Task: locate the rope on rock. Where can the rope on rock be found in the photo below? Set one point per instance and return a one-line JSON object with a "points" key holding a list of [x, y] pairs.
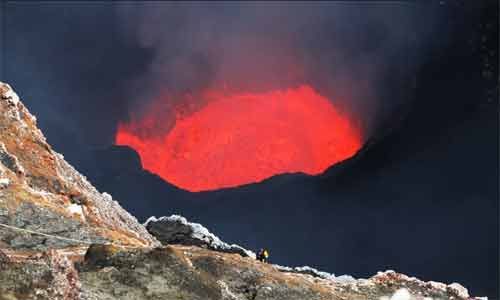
{"points": [[65, 238]]}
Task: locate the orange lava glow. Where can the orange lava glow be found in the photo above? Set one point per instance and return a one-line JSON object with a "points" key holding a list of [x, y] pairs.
{"points": [[242, 138]]}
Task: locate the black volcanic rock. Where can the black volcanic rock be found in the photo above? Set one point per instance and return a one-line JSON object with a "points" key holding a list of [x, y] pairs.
{"points": [[177, 230], [119, 159]]}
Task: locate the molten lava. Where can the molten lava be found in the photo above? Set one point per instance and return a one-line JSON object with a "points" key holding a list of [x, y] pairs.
{"points": [[243, 138]]}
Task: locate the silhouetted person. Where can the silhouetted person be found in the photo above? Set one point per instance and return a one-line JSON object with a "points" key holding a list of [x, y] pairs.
{"points": [[263, 255]]}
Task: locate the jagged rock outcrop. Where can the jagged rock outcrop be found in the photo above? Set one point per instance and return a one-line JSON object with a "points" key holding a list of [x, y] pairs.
{"points": [[177, 230], [41, 192], [60, 239]]}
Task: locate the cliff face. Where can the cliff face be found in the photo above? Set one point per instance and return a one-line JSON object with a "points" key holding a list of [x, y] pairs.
{"points": [[62, 239], [40, 191]]}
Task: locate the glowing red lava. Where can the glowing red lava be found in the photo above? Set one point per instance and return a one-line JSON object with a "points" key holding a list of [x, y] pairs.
{"points": [[243, 138]]}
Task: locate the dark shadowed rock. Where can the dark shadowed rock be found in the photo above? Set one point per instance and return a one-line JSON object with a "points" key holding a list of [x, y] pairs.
{"points": [[112, 161], [177, 230]]}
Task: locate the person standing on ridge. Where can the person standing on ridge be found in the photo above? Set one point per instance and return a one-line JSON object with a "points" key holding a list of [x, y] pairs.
{"points": [[263, 255]]}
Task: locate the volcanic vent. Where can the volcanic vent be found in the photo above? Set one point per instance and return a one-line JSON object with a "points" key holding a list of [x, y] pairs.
{"points": [[241, 138]]}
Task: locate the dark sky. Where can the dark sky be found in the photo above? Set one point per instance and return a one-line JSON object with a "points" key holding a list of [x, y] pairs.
{"points": [[421, 198]]}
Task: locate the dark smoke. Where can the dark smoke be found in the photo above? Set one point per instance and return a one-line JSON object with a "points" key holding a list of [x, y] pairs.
{"points": [[346, 50], [111, 59]]}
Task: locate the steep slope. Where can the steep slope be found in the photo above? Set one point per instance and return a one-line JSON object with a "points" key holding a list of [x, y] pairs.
{"points": [[40, 191]]}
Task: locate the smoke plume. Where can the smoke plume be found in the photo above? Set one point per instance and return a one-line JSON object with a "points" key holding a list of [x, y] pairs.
{"points": [[354, 53]]}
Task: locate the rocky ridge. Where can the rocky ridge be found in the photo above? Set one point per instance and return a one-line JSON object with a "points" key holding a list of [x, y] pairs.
{"points": [[40, 191], [190, 272], [177, 230], [62, 239]]}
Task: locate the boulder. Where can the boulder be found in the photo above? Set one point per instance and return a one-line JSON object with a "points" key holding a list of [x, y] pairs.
{"points": [[177, 230]]}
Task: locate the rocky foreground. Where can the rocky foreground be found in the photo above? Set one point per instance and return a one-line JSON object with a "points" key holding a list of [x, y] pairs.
{"points": [[62, 239]]}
